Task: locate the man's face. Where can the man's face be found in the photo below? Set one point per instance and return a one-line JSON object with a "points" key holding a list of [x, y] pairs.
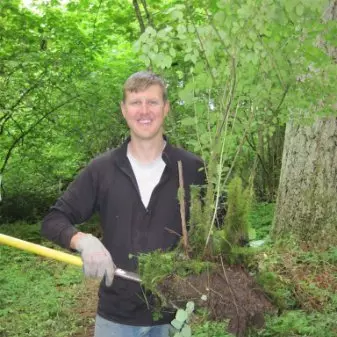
{"points": [[145, 111]]}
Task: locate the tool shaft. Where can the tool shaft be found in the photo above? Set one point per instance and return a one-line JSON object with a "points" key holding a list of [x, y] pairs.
{"points": [[57, 255]]}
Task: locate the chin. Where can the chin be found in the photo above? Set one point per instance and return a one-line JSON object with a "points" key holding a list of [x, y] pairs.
{"points": [[145, 135]]}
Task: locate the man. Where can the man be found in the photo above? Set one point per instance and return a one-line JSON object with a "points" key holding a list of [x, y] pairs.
{"points": [[134, 190]]}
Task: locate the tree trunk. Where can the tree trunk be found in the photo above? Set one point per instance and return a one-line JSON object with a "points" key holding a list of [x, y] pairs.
{"points": [[307, 196]]}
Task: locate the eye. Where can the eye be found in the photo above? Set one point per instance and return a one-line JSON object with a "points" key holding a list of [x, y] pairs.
{"points": [[135, 103], [153, 103]]}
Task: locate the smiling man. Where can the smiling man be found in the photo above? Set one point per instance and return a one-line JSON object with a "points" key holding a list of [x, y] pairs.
{"points": [[134, 190]]}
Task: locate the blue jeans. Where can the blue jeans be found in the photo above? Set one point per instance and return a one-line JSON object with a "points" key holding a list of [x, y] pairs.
{"points": [[105, 328]]}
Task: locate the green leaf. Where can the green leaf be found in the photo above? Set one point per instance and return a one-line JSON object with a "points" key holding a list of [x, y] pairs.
{"points": [[189, 307], [187, 95], [172, 52], [221, 3], [181, 315], [177, 324], [145, 48], [190, 28], [181, 29], [188, 121], [219, 17], [177, 15], [186, 331], [252, 234], [187, 57], [145, 59], [155, 48], [136, 46], [150, 31], [180, 74], [163, 34], [167, 61], [299, 9], [194, 58]]}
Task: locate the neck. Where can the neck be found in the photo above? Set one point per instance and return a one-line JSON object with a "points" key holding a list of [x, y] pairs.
{"points": [[146, 151]]}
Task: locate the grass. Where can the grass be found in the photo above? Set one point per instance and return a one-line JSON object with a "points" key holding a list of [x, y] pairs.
{"points": [[300, 280], [37, 295], [261, 218]]}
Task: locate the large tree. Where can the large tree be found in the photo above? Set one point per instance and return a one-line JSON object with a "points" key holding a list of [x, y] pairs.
{"points": [[307, 198]]}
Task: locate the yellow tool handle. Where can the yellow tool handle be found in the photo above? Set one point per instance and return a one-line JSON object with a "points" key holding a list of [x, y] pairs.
{"points": [[40, 250], [57, 255]]}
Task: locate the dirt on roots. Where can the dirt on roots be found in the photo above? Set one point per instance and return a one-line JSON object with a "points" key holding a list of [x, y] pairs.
{"points": [[229, 293]]}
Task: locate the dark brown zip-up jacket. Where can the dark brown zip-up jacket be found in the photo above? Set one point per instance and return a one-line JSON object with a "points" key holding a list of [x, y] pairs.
{"points": [[108, 186]]}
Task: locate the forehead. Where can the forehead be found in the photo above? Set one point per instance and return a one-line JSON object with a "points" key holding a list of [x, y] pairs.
{"points": [[153, 91]]}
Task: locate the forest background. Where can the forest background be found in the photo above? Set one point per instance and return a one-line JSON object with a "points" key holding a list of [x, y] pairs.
{"points": [[252, 89]]}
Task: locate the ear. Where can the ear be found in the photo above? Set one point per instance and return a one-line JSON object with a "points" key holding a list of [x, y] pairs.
{"points": [[123, 108], [166, 108]]}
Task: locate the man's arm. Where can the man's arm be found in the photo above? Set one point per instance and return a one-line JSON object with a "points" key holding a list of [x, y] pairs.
{"points": [[75, 206]]}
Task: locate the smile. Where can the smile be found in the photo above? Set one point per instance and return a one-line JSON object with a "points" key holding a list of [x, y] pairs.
{"points": [[145, 121]]}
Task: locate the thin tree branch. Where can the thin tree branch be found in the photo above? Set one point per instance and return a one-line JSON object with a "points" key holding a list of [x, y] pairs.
{"points": [[233, 82], [286, 90], [10, 111], [4, 119], [204, 52], [182, 207], [32, 127], [147, 13], [139, 16], [253, 147], [230, 100], [217, 32]]}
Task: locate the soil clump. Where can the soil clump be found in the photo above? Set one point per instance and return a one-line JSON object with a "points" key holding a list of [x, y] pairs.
{"points": [[228, 293]]}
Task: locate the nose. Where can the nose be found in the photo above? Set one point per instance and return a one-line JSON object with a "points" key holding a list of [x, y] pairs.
{"points": [[144, 107]]}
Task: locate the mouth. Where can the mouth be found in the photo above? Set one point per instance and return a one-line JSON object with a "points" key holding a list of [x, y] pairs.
{"points": [[144, 121]]}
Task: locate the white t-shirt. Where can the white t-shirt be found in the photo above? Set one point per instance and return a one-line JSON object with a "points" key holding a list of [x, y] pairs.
{"points": [[147, 175]]}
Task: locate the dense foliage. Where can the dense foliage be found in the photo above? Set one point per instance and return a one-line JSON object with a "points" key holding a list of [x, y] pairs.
{"points": [[61, 75]]}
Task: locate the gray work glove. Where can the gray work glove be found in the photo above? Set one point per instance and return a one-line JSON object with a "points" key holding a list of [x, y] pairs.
{"points": [[97, 261]]}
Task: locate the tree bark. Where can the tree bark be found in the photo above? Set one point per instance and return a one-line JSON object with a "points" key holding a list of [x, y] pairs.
{"points": [[307, 195], [139, 16], [147, 13]]}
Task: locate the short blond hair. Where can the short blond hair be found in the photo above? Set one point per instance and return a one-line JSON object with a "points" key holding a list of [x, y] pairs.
{"points": [[142, 80]]}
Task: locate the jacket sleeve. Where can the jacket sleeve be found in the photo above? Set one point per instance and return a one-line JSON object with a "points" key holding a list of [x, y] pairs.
{"points": [[75, 206]]}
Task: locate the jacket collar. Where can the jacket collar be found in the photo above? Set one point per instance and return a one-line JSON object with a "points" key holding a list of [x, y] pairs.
{"points": [[121, 153]]}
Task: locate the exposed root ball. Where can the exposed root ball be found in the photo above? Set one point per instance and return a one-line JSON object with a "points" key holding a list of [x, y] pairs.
{"points": [[228, 293]]}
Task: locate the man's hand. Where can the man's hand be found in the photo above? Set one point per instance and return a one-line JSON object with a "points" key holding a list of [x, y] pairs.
{"points": [[97, 261]]}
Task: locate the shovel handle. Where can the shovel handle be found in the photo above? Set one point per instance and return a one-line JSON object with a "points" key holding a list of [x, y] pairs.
{"points": [[58, 255], [40, 250]]}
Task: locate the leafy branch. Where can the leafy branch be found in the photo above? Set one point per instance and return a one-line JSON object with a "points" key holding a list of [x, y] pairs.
{"points": [[30, 129]]}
